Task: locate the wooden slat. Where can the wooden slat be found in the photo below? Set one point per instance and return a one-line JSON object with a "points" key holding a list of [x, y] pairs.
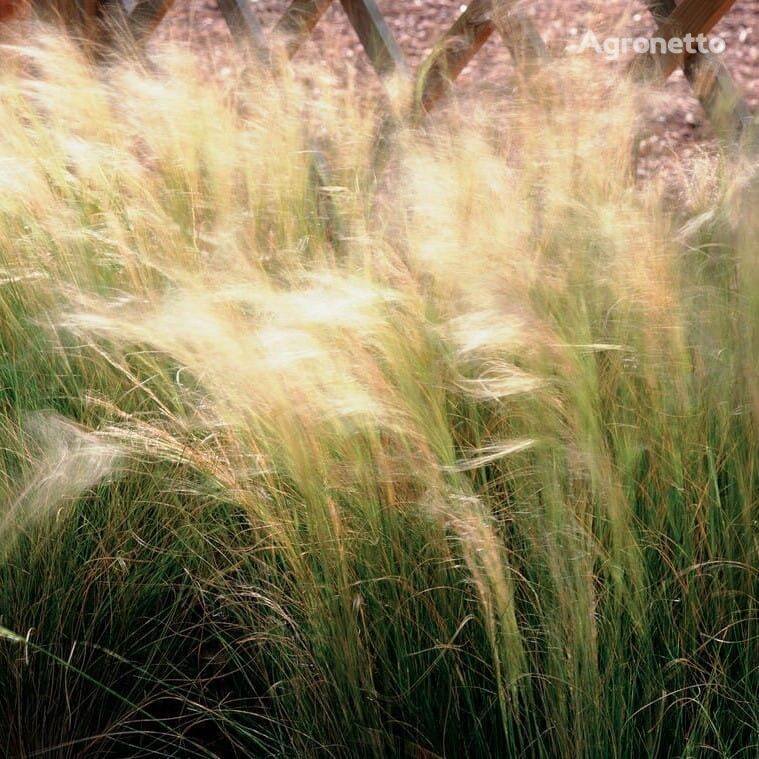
{"points": [[716, 90], [521, 38], [298, 21], [711, 82], [244, 26], [465, 38], [375, 36], [146, 16], [89, 10], [455, 49], [692, 17]]}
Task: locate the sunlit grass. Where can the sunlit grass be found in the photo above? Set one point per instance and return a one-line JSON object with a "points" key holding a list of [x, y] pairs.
{"points": [[453, 456]]}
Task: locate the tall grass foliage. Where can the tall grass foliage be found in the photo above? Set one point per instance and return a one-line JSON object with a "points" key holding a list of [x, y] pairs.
{"points": [[453, 455]]}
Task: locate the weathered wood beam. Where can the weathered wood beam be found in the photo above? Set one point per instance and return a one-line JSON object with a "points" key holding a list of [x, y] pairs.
{"points": [[519, 35], [711, 82], [468, 34], [145, 17], [298, 21], [244, 26], [692, 17], [375, 35], [454, 50]]}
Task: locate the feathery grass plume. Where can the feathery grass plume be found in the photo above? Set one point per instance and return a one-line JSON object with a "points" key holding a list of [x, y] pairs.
{"points": [[67, 462]]}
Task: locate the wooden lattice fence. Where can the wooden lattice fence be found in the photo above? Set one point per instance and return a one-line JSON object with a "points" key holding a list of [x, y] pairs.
{"points": [[710, 79], [105, 21]]}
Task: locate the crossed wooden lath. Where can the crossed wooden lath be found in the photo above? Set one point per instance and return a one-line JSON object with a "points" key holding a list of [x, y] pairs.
{"points": [[708, 76]]}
